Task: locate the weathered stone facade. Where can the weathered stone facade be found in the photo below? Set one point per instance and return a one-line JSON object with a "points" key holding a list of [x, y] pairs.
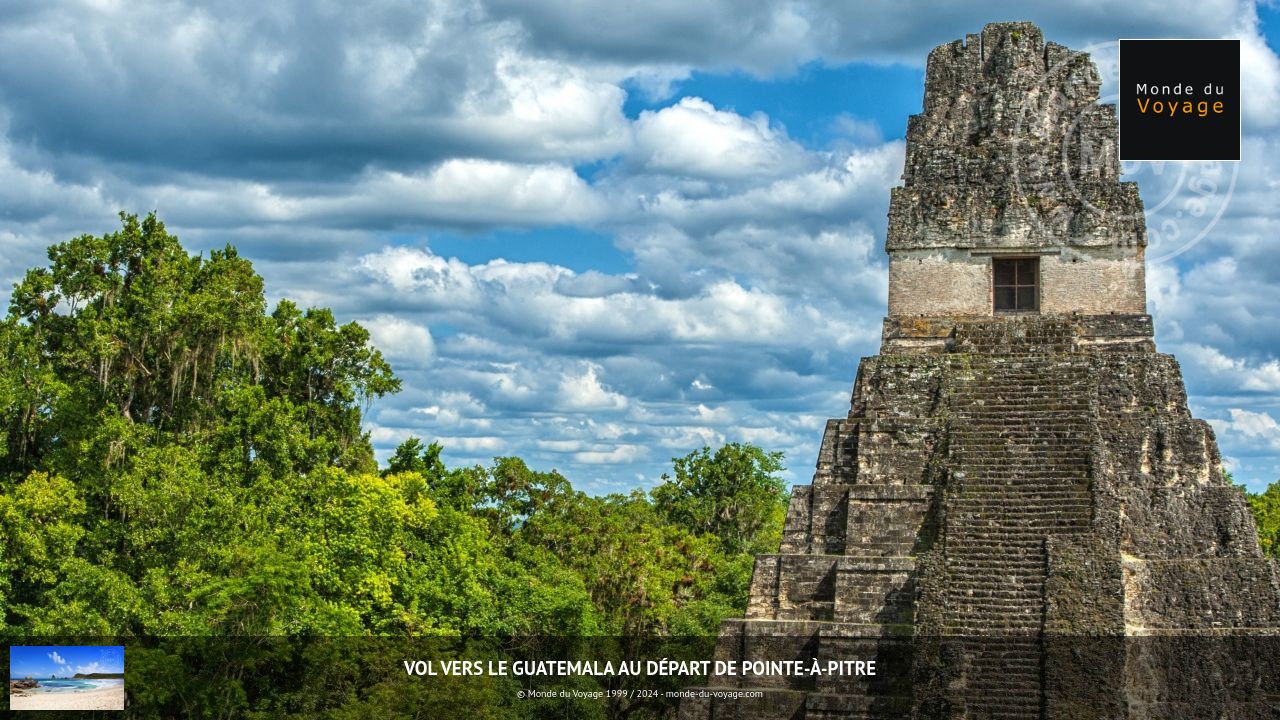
{"points": [[1019, 517], [1013, 156]]}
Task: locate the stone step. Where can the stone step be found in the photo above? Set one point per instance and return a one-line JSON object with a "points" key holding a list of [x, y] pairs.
{"points": [[1020, 538], [1017, 484], [993, 417], [996, 577], [1002, 684], [1022, 661], [1036, 353], [1028, 398], [1004, 495], [1016, 470], [1020, 490], [1072, 477], [1015, 392], [979, 522], [1047, 349], [1024, 466], [976, 515], [1015, 577], [1015, 503], [1007, 693], [992, 600], [1007, 387], [998, 420], [1008, 437], [990, 525], [971, 538], [1072, 431], [983, 700], [1040, 459], [989, 566], [1014, 381], [1009, 498], [1020, 481], [1064, 488], [1015, 438], [971, 416], [1011, 440], [966, 621], [1008, 577], [1004, 587], [1012, 388], [1000, 580], [1046, 407], [993, 470], [1014, 446], [1042, 452], [1028, 402], [1003, 397], [1020, 494], [1069, 369], [1016, 669], [995, 625], [1028, 531], [994, 709], [960, 539], [1037, 350], [1030, 341], [1012, 384], [877, 548], [1024, 494], [867, 706], [1016, 495], [979, 518]]}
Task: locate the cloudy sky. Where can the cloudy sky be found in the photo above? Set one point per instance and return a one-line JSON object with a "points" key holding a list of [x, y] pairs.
{"points": [[595, 234], [65, 660]]}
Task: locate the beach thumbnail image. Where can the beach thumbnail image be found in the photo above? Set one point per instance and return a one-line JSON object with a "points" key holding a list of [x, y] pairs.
{"points": [[66, 677]]}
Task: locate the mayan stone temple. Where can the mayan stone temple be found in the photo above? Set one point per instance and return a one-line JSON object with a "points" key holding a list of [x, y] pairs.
{"points": [[1019, 518]]}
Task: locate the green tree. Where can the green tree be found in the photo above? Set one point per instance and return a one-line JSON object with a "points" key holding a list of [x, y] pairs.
{"points": [[326, 370], [733, 494], [1266, 513], [412, 456], [144, 328]]}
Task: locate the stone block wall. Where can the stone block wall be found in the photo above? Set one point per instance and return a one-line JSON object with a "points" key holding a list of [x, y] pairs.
{"points": [[958, 282]]}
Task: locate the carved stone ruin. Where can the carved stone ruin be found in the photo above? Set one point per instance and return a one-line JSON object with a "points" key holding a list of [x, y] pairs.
{"points": [[1019, 518]]}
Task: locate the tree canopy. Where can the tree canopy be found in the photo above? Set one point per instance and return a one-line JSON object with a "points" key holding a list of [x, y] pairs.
{"points": [[1266, 513], [180, 462]]}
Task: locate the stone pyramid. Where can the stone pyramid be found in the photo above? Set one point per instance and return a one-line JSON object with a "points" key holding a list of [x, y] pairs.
{"points": [[1019, 517]]}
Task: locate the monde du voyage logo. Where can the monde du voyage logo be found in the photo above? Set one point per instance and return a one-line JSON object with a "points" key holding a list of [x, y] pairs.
{"points": [[1179, 100]]}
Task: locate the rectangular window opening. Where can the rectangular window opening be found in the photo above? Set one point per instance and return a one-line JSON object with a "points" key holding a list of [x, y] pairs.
{"points": [[1016, 285]]}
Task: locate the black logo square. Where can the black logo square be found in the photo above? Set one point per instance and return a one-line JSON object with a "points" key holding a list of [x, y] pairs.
{"points": [[1179, 100]]}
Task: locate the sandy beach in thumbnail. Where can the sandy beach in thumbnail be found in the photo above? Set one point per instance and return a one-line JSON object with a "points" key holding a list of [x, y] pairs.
{"points": [[106, 698]]}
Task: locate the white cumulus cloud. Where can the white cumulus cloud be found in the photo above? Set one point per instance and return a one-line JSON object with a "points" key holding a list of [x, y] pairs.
{"points": [[584, 392], [400, 339], [694, 138]]}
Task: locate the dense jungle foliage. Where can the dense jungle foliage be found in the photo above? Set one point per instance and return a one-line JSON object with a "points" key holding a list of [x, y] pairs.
{"points": [[183, 469]]}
